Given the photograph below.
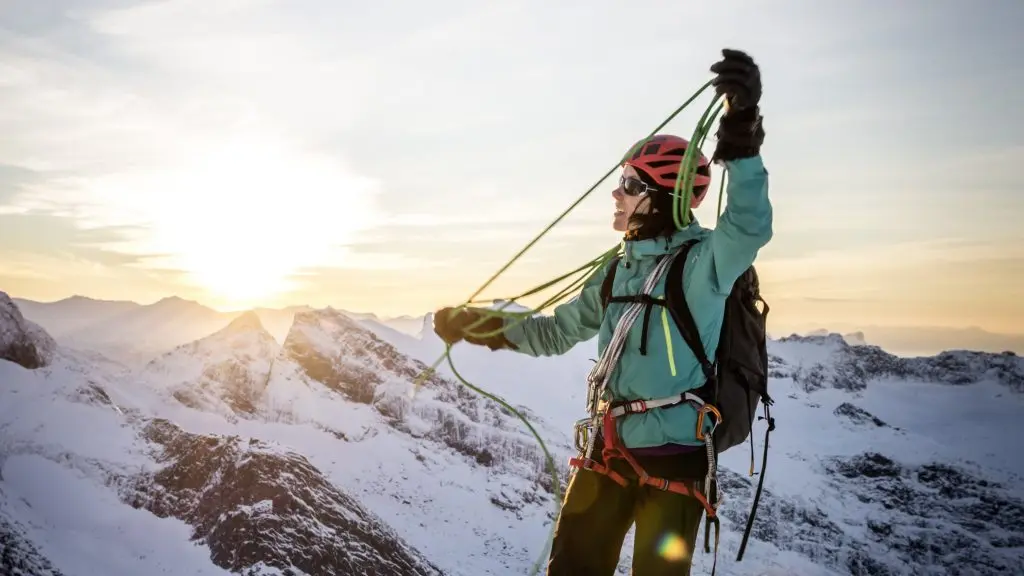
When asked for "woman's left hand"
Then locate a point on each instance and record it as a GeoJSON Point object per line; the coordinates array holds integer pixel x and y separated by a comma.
{"type": "Point", "coordinates": [738, 79]}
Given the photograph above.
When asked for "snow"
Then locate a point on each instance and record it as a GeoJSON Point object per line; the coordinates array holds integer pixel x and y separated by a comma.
{"type": "Point", "coordinates": [79, 521]}
{"type": "Point", "coordinates": [65, 451]}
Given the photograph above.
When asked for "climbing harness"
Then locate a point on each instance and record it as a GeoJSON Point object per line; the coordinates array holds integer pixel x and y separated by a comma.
{"type": "Point", "coordinates": [603, 413]}
{"type": "Point", "coordinates": [681, 197]}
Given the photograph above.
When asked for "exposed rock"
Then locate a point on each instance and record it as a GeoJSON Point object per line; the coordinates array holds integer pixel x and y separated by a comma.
{"type": "Point", "coordinates": [935, 519]}
{"type": "Point", "coordinates": [19, 556]}
{"type": "Point", "coordinates": [258, 506]}
{"type": "Point", "coordinates": [23, 341]}
{"type": "Point", "coordinates": [858, 415]}
{"type": "Point", "coordinates": [336, 351]}
{"type": "Point", "coordinates": [850, 368]}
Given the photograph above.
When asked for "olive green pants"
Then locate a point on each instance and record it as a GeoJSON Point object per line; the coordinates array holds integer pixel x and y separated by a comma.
{"type": "Point", "coordinates": [597, 513]}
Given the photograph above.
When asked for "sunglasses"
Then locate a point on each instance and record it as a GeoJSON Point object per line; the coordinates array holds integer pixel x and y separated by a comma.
{"type": "Point", "coordinates": [634, 186]}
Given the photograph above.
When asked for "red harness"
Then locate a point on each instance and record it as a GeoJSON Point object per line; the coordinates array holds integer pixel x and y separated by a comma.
{"type": "Point", "coordinates": [614, 448]}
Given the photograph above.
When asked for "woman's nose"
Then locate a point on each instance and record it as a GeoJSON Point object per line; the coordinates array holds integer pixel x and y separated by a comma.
{"type": "Point", "coordinates": [617, 193]}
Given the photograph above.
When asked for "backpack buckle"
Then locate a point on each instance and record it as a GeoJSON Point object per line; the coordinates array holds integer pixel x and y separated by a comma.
{"type": "Point", "coordinates": [716, 420]}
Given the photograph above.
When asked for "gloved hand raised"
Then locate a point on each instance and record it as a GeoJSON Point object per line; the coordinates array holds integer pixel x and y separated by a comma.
{"type": "Point", "coordinates": [452, 326]}
{"type": "Point", "coordinates": [738, 79]}
{"type": "Point", "coordinates": [740, 131]}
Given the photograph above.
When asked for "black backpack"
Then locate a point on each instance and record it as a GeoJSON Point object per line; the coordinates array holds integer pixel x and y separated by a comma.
{"type": "Point", "coordinates": [738, 379]}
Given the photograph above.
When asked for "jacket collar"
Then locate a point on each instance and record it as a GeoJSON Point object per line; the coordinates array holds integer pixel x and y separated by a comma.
{"type": "Point", "coordinates": [654, 247]}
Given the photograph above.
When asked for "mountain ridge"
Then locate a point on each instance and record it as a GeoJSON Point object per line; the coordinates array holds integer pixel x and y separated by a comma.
{"type": "Point", "coordinates": [906, 341]}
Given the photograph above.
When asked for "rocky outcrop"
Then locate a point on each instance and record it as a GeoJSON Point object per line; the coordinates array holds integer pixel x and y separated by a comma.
{"type": "Point", "coordinates": [967, 367]}
{"type": "Point", "coordinates": [334, 350]}
{"type": "Point", "coordinates": [935, 518]}
{"type": "Point", "coordinates": [847, 367]}
{"type": "Point", "coordinates": [23, 341]}
{"type": "Point", "coordinates": [858, 415]}
{"type": "Point", "coordinates": [930, 519]}
{"type": "Point", "coordinates": [260, 507]}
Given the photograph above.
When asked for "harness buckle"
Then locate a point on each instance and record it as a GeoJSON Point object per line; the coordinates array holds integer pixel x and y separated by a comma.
{"type": "Point", "coordinates": [636, 406]}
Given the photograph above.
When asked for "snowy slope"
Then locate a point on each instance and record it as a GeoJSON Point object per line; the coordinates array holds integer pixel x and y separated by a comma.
{"type": "Point", "coordinates": [879, 465]}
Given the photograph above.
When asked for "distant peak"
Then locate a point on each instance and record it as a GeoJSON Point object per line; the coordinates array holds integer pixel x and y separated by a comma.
{"type": "Point", "coordinates": [507, 306]}
{"type": "Point", "coordinates": [174, 300]}
{"type": "Point", "coordinates": [818, 337]}
{"type": "Point", "coordinates": [248, 321]}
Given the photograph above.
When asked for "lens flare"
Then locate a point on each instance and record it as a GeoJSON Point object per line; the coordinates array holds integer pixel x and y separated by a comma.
{"type": "Point", "coordinates": [673, 548]}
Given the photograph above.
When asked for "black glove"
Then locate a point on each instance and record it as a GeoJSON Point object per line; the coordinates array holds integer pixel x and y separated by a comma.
{"type": "Point", "coordinates": [740, 131]}
{"type": "Point", "coordinates": [738, 79]}
{"type": "Point", "coordinates": [451, 326]}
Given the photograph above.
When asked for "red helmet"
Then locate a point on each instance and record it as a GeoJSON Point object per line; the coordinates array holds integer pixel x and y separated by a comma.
{"type": "Point", "coordinates": [661, 156]}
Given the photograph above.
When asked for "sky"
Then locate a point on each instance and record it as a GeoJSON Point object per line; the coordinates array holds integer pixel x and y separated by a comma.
{"type": "Point", "coordinates": [392, 156]}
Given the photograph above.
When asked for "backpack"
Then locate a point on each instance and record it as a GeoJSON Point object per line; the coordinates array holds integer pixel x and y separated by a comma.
{"type": "Point", "coordinates": [738, 379]}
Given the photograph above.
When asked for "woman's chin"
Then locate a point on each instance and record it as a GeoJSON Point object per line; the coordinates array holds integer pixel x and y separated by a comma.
{"type": "Point", "coordinates": [620, 223]}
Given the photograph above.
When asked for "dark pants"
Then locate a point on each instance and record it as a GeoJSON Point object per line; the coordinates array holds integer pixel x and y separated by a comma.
{"type": "Point", "coordinates": [597, 513]}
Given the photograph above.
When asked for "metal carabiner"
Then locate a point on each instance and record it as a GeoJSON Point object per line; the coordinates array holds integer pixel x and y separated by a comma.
{"type": "Point", "coordinates": [582, 431]}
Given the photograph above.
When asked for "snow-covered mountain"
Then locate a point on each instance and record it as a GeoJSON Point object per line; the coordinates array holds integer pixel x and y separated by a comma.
{"type": "Point", "coordinates": [327, 419]}
{"type": "Point", "coordinates": [225, 372]}
{"type": "Point", "coordinates": [234, 453]}
{"type": "Point", "coordinates": [134, 333]}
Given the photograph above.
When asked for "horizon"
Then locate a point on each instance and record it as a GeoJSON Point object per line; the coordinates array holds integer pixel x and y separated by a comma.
{"type": "Point", "coordinates": [254, 155]}
{"type": "Point", "coordinates": [903, 341]}
{"type": "Point", "coordinates": [422, 313]}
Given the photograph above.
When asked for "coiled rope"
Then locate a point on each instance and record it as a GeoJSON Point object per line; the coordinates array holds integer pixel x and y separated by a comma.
{"type": "Point", "coordinates": [682, 194]}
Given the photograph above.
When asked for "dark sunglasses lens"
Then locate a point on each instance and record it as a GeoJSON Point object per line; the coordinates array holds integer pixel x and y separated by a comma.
{"type": "Point", "coordinates": [632, 186]}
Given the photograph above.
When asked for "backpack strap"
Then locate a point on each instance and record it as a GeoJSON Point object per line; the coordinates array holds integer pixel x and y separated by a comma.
{"type": "Point", "coordinates": [680, 310]}
{"type": "Point", "coordinates": [606, 285]}
{"type": "Point", "coordinates": [646, 299]}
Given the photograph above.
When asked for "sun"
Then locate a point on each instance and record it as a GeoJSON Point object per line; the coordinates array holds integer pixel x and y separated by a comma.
{"type": "Point", "coordinates": [242, 217]}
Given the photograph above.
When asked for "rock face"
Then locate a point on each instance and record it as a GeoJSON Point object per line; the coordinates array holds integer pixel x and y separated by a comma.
{"type": "Point", "coordinates": [850, 368]}
{"type": "Point", "coordinates": [930, 519]}
{"type": "Point", "coordinates": [935, 518]}
{"type": "Point", "coordinates": [334, 350]}
{"type": "Point", "coordinates": [261, 509]}
{"type": "Point", "coordinates": [22, 341]}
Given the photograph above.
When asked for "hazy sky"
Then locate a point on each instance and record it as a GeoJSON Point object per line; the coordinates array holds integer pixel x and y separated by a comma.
{"type": "Point", "coordinates": [390, 156]}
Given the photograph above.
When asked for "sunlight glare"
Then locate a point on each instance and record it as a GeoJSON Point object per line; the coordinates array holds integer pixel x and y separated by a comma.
{"type": "Point", "coordinates": [242, 217]}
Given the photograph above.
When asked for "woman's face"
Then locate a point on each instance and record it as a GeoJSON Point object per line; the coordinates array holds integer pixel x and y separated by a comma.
{"type": "Point", "coordinates": [626, 205]}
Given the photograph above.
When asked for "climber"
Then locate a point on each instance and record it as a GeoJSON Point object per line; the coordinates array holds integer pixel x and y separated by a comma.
{"type": "Point", "coordinates": [664, 442]}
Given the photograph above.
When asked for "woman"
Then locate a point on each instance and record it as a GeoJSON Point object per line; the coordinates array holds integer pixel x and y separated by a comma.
{"type": "Point", "coordinates": [605, 496]}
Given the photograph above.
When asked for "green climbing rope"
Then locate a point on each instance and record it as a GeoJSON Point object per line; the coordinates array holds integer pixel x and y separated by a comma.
{"type": "Point", "coordinates": [681, 198]}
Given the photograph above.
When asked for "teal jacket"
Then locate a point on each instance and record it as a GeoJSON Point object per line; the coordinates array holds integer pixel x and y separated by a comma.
{"type": "Point", "coordinates": [669, 367]}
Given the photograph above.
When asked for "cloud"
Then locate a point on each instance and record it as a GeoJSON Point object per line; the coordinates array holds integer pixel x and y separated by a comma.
{"type": "Point", "coordinates": [13, 180]}
{"type": "Point", "coordinates": [45, 257]}
{"type": "Point", "coordinates": [34, 234]}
